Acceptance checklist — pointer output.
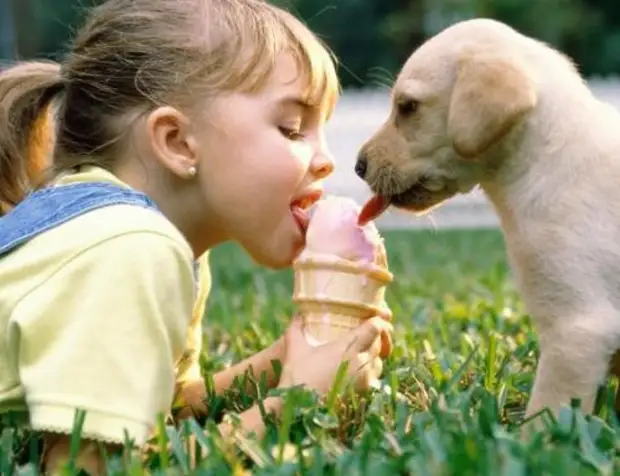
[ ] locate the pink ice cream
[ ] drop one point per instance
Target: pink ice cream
(333, 230)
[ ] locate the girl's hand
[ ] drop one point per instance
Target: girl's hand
(316, 366)
(385, 312)
(281, 344)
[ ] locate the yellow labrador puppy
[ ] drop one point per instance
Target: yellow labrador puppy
(481, 104)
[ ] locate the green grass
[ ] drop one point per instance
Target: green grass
(453, 392)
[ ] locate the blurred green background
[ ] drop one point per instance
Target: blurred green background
(371, 38)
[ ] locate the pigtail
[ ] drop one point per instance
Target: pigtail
(26, 130)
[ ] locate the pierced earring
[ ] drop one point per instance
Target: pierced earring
(191, 171)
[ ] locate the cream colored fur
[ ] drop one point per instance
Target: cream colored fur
(511, 114)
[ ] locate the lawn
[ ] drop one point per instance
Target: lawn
(451, 397)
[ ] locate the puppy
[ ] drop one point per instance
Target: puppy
(481, 104)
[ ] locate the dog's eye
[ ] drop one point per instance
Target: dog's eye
(407, 107)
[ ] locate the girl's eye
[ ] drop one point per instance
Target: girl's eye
(291, 134)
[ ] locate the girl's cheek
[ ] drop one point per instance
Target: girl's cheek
(302, 151)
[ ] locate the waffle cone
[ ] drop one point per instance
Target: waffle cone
(334, 296)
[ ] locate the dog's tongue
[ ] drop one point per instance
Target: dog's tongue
(373, 208)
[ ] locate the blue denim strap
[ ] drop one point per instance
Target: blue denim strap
(50, 207)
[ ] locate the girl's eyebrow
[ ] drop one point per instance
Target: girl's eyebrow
(296, 100)
(309, 111)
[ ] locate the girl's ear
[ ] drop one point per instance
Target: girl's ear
(171, 141)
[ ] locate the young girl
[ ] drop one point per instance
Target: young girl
(179, 124)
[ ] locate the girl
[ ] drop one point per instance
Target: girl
(179, 124)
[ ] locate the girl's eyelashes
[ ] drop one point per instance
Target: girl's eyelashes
(291, 133)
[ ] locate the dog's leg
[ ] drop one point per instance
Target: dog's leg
(575, 359)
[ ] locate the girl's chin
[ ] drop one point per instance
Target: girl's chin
(277, 263)
(280, 248)
(285, 260)
(278, 256)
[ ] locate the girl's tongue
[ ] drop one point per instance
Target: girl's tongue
(301, 217)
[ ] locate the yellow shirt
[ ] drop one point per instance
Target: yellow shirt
(97, 314)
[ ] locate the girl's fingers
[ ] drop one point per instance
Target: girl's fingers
(386, 313)
(365, 335)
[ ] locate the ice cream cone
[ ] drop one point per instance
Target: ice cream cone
(341, 275)
(334, 295)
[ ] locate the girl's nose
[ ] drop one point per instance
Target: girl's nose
(322, 165)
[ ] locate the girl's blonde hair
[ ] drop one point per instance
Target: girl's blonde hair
(132, 55)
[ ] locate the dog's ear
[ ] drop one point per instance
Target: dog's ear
(490, 96)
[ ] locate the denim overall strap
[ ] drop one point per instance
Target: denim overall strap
(50, 207)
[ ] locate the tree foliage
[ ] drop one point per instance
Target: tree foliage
(372, 38)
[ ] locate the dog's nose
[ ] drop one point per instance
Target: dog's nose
(361, 165)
